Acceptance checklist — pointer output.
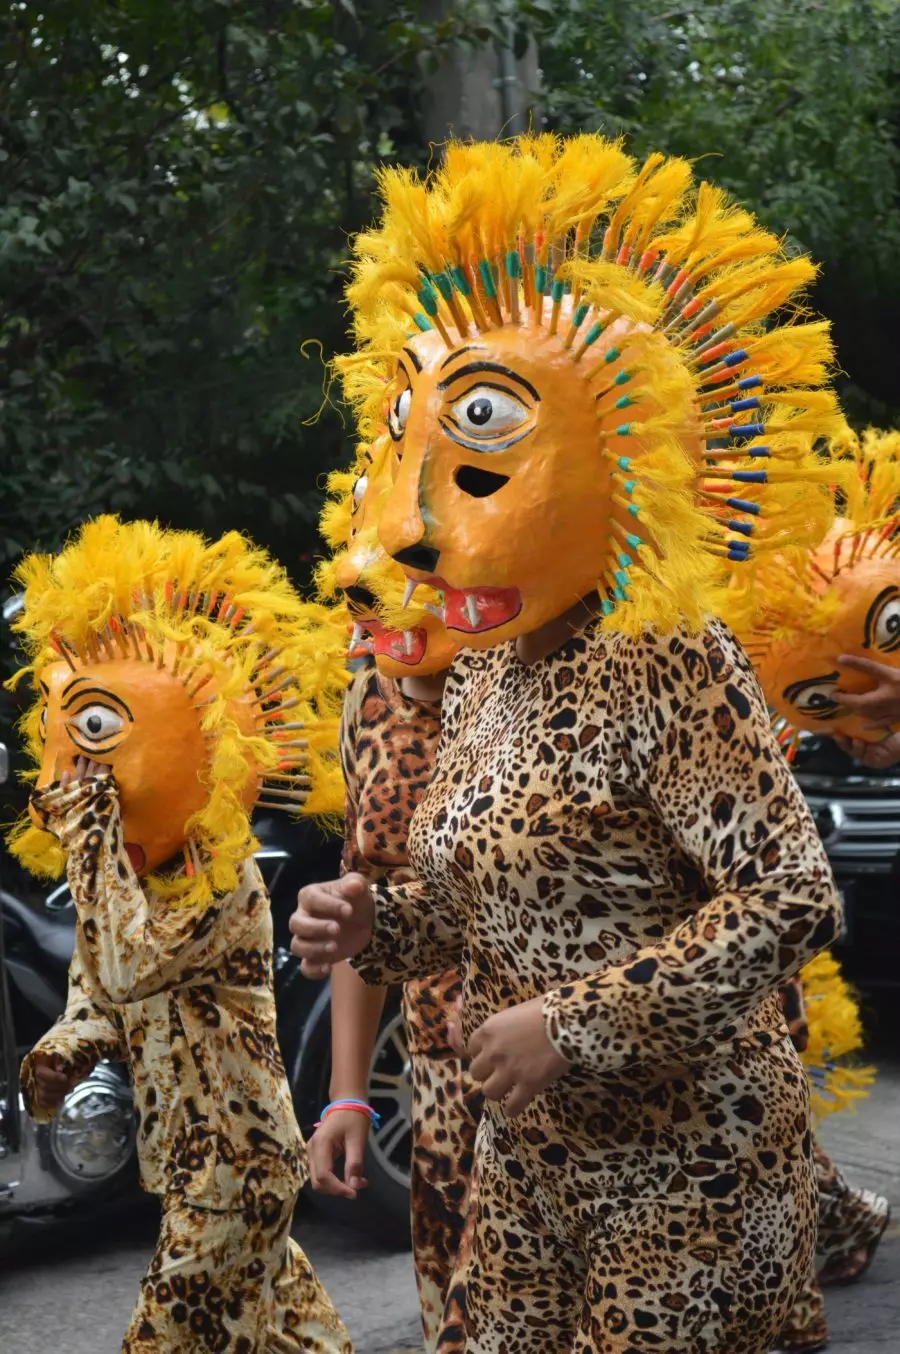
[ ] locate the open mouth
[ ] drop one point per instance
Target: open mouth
(474, 610)
(402, 646)
(136, 855)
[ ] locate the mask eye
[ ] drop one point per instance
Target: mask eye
(42, 726)
(815, 699)
(359, 490)
(399, 413)
(97, 723)
(486, 412)
(886, 625)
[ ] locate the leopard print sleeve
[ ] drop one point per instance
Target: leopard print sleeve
(702, 753)
(89, 1031)
(137, 944)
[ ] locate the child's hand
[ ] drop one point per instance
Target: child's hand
(333, 922)
(84, 768)
(343, 1133)
(882, 704)
(51, 1083)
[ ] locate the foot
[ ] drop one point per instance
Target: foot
(811, 1337)
(850, 1266)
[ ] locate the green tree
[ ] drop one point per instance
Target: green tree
(178, 183)
(793, 107)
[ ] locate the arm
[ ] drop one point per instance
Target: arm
(87, 1032)
(724, 793)
(355, 1007)
(136, 945)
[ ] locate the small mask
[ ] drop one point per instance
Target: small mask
(842, 598)
(192, 671)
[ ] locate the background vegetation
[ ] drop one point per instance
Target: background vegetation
(178, 180)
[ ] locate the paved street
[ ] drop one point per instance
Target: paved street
(77, 1299)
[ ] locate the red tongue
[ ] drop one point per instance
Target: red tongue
(136, 856)
(477, 609)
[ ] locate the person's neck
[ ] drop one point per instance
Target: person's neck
(424, 687)
(534, 646)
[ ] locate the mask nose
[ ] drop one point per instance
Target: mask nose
(422, 557)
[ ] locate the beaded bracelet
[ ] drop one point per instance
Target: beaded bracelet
(358, 1106)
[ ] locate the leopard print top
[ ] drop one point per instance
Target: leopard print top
(613, 826)
(388, 744)
(186, 998)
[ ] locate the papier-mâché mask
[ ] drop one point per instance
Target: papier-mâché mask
(568, 351)
(192, 671)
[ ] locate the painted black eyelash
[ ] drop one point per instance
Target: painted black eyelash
(483, 446)
(890, 593)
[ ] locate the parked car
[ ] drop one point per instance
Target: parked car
(857, 813)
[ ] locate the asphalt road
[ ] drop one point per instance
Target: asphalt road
(76, 1297)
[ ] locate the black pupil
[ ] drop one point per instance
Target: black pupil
(95, 724)
(818, 701)
(892, 622)
(479, 411)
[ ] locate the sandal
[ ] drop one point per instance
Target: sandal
(812, 1337)
(851, 1264)
(805, 1329)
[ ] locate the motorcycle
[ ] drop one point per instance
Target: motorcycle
(86, 1157)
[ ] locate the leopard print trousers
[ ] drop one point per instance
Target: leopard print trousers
(446, 1109)
(232, 1282)
(849, 1220)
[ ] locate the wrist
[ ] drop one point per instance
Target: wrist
(343, 1090)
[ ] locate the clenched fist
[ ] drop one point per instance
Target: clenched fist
(333, 922)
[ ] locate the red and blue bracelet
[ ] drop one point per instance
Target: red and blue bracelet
(358, 1106)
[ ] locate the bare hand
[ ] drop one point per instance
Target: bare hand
(84, 768)
(51, 1083)
(510, 1054)
(342, 1133)
(877, 756)
(882, 704)
(332, 922)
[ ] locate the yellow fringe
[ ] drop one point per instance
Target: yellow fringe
(605, 226)
(116, 570)
(835, 1033)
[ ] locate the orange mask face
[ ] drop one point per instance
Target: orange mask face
(503, 498)
(363, 571)
(800, 673)
(138, 719)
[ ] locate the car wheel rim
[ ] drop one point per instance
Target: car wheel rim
(390, 1094)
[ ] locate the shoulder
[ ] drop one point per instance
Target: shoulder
(471, 674)
(660, 674)
(362, 690)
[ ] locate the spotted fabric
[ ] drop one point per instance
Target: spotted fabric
(614, 828)
(186, 997)
(231, 1282)
(191, 991)
(388, 745)
(850, 1220)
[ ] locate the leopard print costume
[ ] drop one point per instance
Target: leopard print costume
(185, 996)
(615, 827)
(849, 1219)
(388, 745)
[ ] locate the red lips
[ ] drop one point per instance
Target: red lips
(474, 610)
(401, 646)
